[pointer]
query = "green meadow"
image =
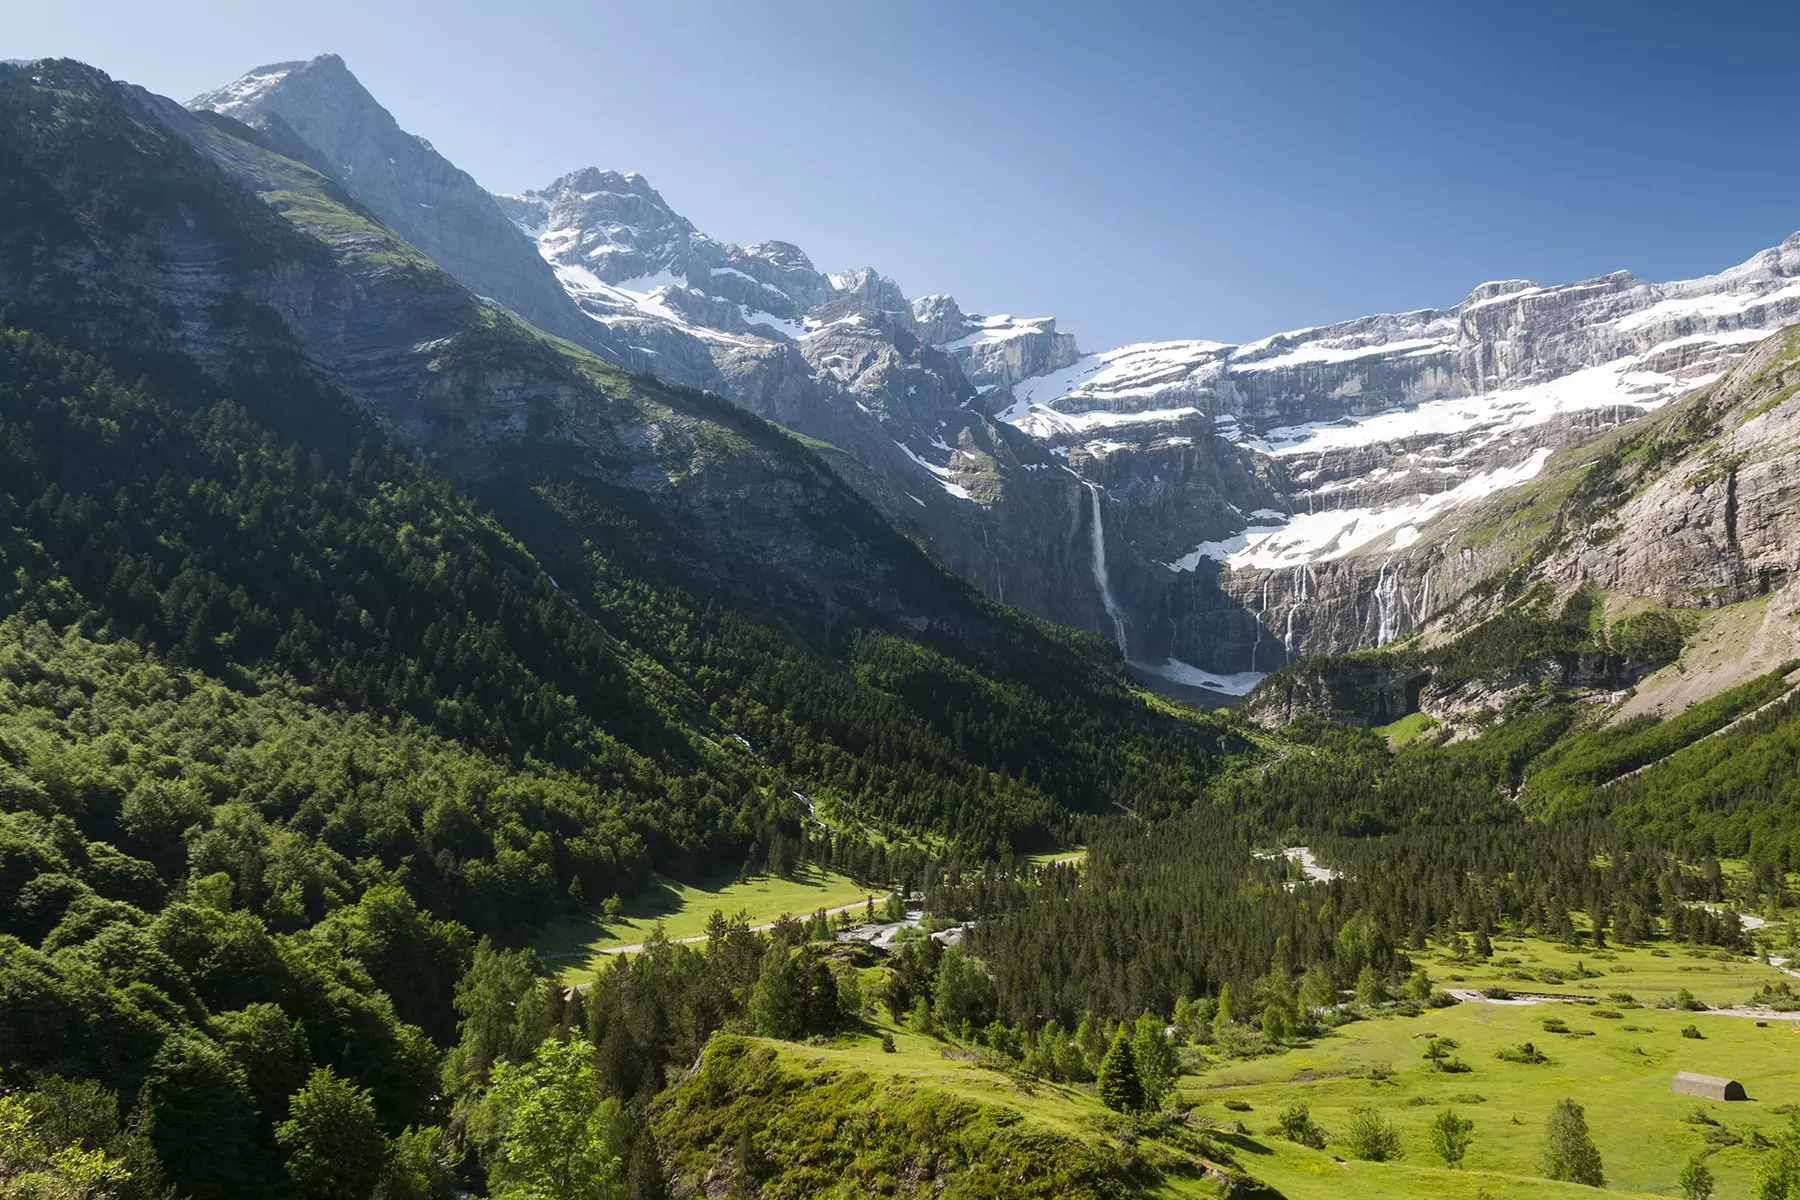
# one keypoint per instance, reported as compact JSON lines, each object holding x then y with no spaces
{"x":575,"y":948}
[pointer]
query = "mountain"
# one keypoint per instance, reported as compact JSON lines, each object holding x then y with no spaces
{"x":1218,"y":510}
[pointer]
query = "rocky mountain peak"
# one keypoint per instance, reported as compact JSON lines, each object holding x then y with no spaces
{"x":428,"y":200}
{"x":614,"y":225}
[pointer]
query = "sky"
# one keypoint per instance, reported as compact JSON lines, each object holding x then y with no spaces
{"x":1140,"y":171}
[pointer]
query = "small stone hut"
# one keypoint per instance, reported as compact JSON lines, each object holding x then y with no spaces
{"x":1713,"y":1087}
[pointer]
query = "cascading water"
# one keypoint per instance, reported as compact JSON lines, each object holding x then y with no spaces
{"x":1097,"y":537}
{"x":1261,"y":612}
{"x":1387,"y":601}
{"x":1301,"y":575}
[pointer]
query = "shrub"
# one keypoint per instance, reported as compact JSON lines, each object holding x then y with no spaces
{"x":1690,"y":1031}
{"x":1372,"y":1137}
{"x":1237,"y":1105}
{"x":1296,"y":1125}
{"x":1524,"y":1052}
{"x":1450,"y":1136}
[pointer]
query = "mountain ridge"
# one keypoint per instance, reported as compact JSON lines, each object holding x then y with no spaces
{"x":1253,"y":503}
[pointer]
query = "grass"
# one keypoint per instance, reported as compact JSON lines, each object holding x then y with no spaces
{"x":1620,"y":1074}
{"x":1057,"y":856}
{"x":1399,"y":733}
{"x":1647,"y":976}
{"x":574,"y":947}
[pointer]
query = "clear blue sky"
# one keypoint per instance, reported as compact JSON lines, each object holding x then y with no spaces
{"x":1141,"y":171}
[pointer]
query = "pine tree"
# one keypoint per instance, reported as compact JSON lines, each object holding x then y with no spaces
{"x":1569,"y":1153}
{"x":1119,"y":1086}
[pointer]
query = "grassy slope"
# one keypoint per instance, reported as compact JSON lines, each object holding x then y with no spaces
{"x":924,"y":1120}
{"x":1620,"y":1074}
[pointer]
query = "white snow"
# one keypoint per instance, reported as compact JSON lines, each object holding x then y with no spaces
{"x":1000,"y":328}
{"x":944,"y":476}
{"x":1142,"y":369}
{"x":1622,"y":381}
{"x":1320,"y":537}
{"x":1717,"y":304}
{"x":243,"y":91}
{"x":1173,"y":669}
{"x":782,"y":325}
{"x":1324,"y":352}
{"x":1047,"y":422}
{"x":1224,"y":548}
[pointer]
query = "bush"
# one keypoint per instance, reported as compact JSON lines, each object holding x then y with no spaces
{"x":1237,"y":1105}
{"x":1296,"y":1125}
{"x":1524,"y":1052}
{"x":1450,"y":1136}
{"x":1690,"y":1031}
{"x":1372,"y":1137}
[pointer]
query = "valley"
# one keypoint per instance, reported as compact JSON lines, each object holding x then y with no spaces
{"x":507,"y":695}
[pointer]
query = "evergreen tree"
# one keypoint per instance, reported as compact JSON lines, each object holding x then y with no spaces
{"x":1119,"y":1086}
{"x":1569,"y":1153}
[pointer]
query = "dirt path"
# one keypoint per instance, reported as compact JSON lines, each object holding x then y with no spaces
{"x":1520,"y":999}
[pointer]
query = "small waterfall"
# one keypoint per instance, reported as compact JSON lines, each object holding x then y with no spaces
{"x":1097,"y":536}
{"x":1387,"y":600}
{"x":1287,"y":639}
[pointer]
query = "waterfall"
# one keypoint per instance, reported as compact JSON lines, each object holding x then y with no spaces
{"x":1387,"y":596}
{"x":1287,"y":639}
{"x":1098,"y":538}
{"x":1259,"y":622}
{"x":999,"y":576}
{"x":1423,"y":608}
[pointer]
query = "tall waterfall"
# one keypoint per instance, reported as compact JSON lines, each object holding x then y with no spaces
{"x":1097,"y":536}
{"x":1387,"y":600}
{"x":1261,"y":612}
